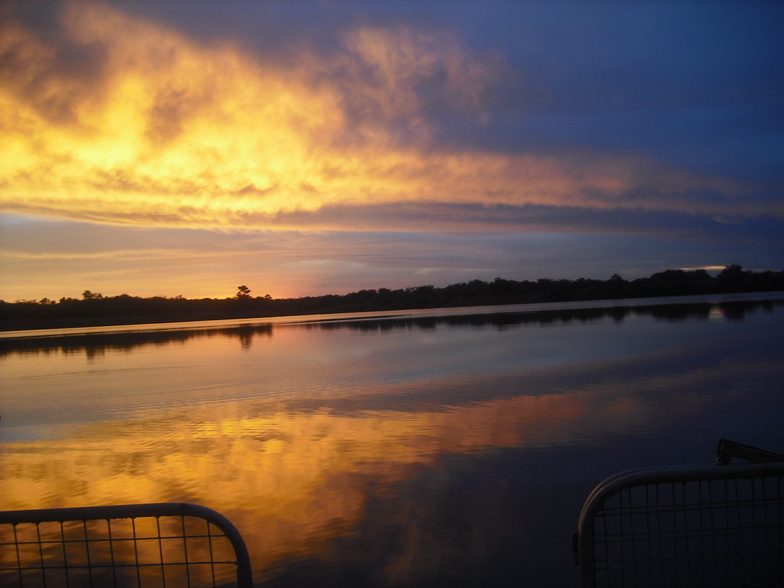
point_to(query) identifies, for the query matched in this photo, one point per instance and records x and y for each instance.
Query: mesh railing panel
(719, 532)
(159, 547)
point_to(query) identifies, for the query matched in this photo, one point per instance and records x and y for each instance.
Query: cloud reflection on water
(423, 479)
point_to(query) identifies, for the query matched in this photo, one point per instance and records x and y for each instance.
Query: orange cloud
(146, 126)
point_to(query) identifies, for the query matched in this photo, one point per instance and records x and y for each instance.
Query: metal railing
(718, 525)
(136, 545)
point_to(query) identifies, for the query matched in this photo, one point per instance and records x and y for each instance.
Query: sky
(183, 148)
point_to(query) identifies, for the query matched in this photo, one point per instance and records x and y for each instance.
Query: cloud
(727, 220)
(119, 119)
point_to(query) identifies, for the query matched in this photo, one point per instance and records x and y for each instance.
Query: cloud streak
(118, 119)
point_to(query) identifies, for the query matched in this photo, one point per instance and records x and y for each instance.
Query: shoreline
(95, 310)
(572, 307)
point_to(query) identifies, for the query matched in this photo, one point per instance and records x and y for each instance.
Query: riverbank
(96, 310)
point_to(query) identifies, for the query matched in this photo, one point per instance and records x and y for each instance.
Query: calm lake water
(429, 448)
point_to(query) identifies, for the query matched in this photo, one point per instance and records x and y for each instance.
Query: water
(429, 448)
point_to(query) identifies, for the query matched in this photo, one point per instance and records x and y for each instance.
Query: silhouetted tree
(733, 278)
(95, 309)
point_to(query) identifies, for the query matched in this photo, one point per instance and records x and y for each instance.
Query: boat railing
(714, 525)
(139, 545)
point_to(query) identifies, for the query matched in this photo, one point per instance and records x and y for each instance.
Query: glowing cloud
(122, 120)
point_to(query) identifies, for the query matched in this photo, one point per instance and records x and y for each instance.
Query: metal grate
(133, 546)
(720, 525)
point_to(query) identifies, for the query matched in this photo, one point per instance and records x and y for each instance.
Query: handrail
(38, 553)
(648, 524)
(727, 449)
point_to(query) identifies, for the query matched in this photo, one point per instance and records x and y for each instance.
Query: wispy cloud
(118, 119)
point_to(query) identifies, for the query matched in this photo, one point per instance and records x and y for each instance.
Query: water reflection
(499, 318)
(420, 451)
(148, 550)
(100, 343)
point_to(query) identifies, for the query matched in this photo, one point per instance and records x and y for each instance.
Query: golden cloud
(137, 123)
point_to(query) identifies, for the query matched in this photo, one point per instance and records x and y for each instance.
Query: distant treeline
(95, 309)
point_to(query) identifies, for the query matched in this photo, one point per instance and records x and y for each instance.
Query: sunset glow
(118, 118)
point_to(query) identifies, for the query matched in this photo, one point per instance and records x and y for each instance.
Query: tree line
(94, 309)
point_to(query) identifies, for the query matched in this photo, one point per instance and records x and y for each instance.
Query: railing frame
(136, 511)
(612, 486)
